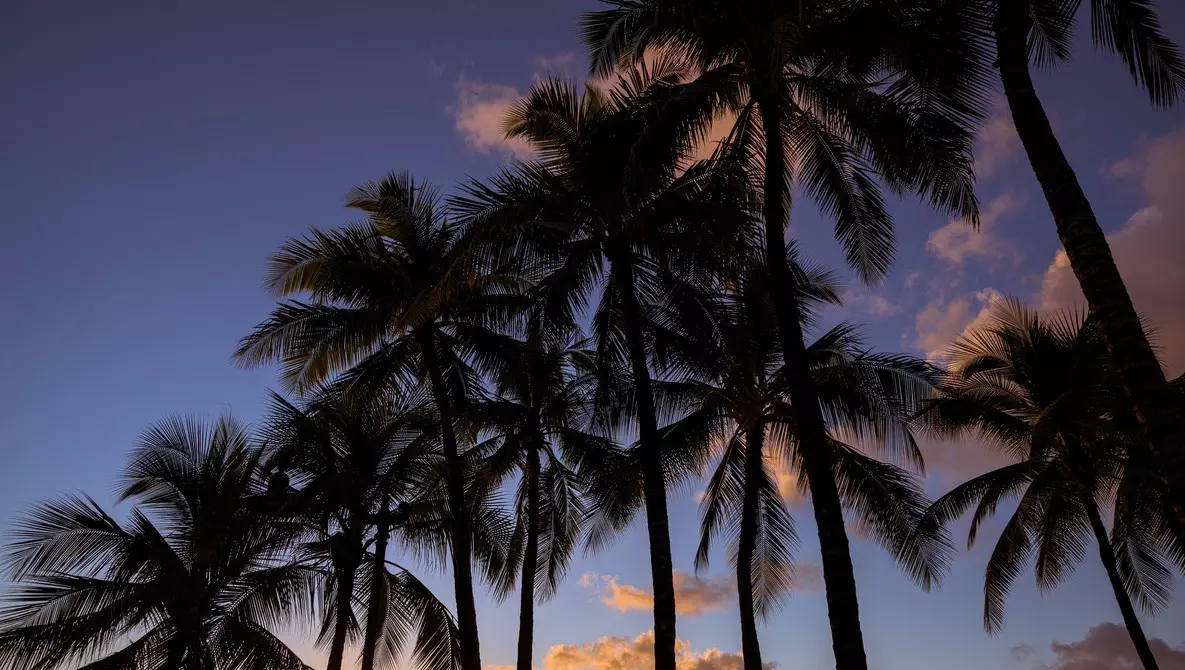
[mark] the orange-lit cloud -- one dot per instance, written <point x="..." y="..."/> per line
<point x="957" y="241"/>
<point x="694" y="596"/>
<point x="941" y="322"/>
<point x="623" y="653"/>
<point x="1108" y="646"/>
<point x="480" y="113"/>
<point x="1148" y="250"/>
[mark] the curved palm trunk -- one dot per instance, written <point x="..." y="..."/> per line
<point x="526" y="614"/>
<point x="1107" y="554"/>
<point x="1090" y="257"/>
<point x="754" y="472"/>
<point x="654" y="491"/>
<point x="341" y="625"/>
<point x="459" y="531"/>
<point x="376" y="611"/>
<point x="843" y="607"/>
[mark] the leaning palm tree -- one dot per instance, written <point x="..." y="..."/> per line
<point x="387" y="295"/>
<point x="608" y="216"/>
<point x="355" y="457"/>
<point x="193" y="579"/>
<point x="1041" y="32"/>
<point x="735" y="387"/>
<point x="541" y="393"/>
<point x="830" y="96"/>
<point x="1043" y="390"/>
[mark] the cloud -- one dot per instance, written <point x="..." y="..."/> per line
<point x="873" y="303"/>
<point x="1022" y="651"/>
<point x="1147" y="249"/>
<point x="480" y="113"/>
<point x="558" y="63"/>
<point x="623" y="653"/>
<point x="957" y="241"/>
<point x="694" y="596"/>
<point x="941" y="322"/>
<point x="997" y="144"/>
<point x="808" y="578"/>
<point x="1108" y="646"/>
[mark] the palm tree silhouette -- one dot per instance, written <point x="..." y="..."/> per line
<point x="609" y="218"/>
<point x="1041" y="31"/>
<point x="736" y="397"/>
<point x="194" y="579"/>
<point x="541" y="392"/>
<point x="838" y="96"/>
<point x="354" y="455"/>
<point x="390" y="296"/>
<point x="1044" y="391"/>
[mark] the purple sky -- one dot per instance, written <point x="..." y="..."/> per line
<point x="152" y="154"/>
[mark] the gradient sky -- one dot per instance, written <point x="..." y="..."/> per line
<point x="152" y="154"/>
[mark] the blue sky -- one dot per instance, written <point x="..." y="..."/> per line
<point x="153" y="154"/>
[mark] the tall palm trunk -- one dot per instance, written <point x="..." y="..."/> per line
<point x="526" y="613"/>
<point x="653" y="485"/>
<point x="459" y="530"/>
<point x="1107" y="554"/>
<point x="341" y="625"/>
<point x="754" y="473"/>
<point x="843" y="607"/>
<point x="1090" y="257"/>
<point x="376" y="611"/>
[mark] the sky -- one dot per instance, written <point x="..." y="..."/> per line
<point x="152" y="155"/>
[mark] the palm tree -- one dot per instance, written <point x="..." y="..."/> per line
<point x="827" y="93"/>
<point x="355" y="455"/>
<point x="193" y="579"/>
<point x="607" y="214"/>
<point x="1042" y="31"/>
<point x="1044" y="391"/>
<point x="542" y="389"/>
<point x="735" y="384"/>
<point x="388" y="296"/>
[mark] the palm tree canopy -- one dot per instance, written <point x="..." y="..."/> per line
<point x="353" y="456"/>
<point x="378" y="290"/>
<point x="1043" y="390"/>
<point x="868" y="93"/>
<point x="192" y="579"/>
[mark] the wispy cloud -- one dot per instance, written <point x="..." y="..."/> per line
<point x="694" y="596"/>
<point x="480" y="113"/>
<point x="620" y="653"/>
<point x="957" y="241"/>
<point x="997" y="144"/>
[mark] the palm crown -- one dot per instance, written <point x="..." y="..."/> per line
<point x="194" y="579"/>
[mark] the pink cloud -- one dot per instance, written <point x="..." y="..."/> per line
<point x="941" y="322"/>
<point x="957" y="241"/>
<point x="480" y="113"/>
<point x="997" y="144"/>
<point x="620" y="653"/>
<point x="1108" y="646"/>
<point x="1148" y="249"/>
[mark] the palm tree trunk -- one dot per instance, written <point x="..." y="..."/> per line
<point x="843" y="607"/>
<point x="654" y="491"/>
<point x="754" y="473"/>
<point x="1090" y="257"/>
<point x="377" y="607"/>
<point x="459" y="530"/>
<point x="341" y="624"/>
<point x="526" y="613"/>
<point x="1107" y="554"/>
